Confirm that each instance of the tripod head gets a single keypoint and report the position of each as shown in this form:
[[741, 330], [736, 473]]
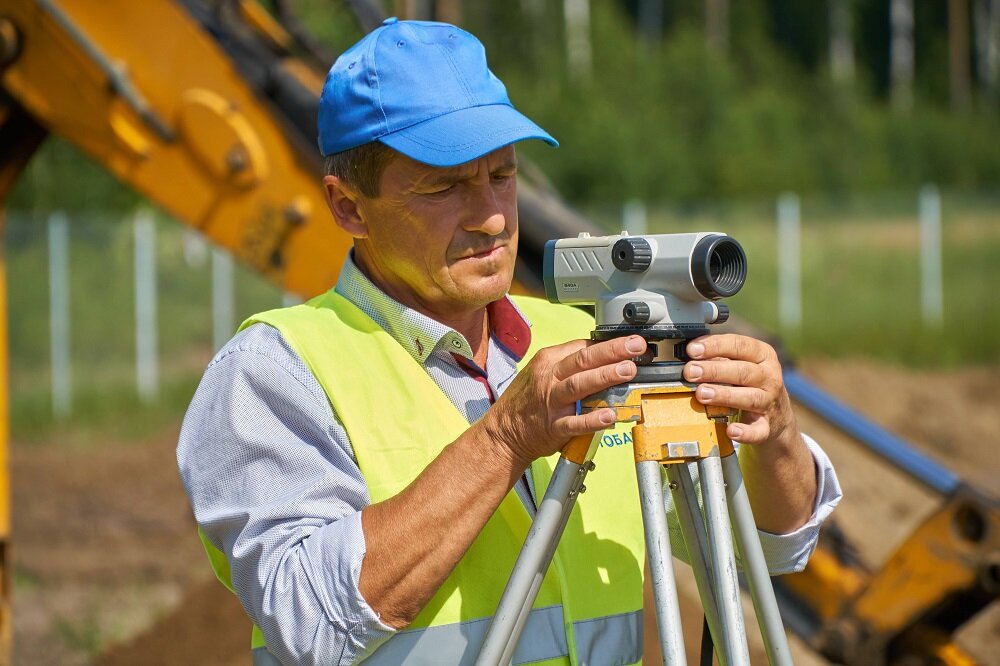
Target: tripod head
[[663, 287]]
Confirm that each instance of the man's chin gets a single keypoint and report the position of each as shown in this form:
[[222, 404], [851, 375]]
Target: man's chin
[[486, 290]]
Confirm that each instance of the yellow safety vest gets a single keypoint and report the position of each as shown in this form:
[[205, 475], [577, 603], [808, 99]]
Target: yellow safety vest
[[589, 608]]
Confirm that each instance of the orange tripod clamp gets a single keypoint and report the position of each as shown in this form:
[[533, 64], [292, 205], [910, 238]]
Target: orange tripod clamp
[[671, 426]]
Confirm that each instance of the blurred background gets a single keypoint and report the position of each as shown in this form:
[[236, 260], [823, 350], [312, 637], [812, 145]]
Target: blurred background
[[852, 146]]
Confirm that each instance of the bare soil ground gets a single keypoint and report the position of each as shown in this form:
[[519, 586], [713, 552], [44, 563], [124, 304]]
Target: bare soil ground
[[108, 568]]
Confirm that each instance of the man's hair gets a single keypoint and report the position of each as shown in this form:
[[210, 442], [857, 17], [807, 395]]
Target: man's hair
[[361, 167]]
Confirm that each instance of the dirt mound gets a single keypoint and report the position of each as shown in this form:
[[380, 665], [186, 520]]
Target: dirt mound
[[105, 551], [954, 417], [209, 627], [108, 568]]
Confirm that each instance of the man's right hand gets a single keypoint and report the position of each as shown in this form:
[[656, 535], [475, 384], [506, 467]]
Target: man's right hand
[[415, 538], [536, 416]]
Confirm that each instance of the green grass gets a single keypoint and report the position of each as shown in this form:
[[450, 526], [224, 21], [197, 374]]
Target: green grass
[[101, 413], [81, 634]]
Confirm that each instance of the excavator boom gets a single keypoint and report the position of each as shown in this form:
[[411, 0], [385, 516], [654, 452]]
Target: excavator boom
[[146, 91]]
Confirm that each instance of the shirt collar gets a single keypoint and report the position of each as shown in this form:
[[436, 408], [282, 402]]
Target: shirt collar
[[420, 335]]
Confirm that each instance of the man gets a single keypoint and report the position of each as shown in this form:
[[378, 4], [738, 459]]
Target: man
[[350, 461]]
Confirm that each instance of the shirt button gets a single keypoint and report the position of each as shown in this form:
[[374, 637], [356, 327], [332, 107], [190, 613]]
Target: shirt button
[[456, 343]]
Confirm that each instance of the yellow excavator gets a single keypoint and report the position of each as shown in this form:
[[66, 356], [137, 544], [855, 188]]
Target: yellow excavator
[[207, 108]]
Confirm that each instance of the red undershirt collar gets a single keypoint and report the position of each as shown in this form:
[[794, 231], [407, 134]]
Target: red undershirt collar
[[508, 327]]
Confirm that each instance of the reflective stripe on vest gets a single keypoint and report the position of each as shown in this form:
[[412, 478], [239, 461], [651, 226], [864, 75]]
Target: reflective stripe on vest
[[259, 656], [595, 583], [607, 640]]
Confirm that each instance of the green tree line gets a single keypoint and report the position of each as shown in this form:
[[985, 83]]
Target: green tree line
[[668, 118]]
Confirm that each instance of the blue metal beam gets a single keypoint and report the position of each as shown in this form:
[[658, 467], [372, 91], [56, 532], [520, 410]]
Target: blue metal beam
[[880, 441]]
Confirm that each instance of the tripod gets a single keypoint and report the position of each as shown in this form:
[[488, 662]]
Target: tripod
[[671, 429]]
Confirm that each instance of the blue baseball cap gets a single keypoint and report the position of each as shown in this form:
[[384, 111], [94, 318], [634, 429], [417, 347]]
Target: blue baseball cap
[[423, 89]]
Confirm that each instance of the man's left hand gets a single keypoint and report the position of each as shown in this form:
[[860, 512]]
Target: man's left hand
[[743, 373]]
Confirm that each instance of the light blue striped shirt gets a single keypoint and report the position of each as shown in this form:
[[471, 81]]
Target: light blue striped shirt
[[274, 483]]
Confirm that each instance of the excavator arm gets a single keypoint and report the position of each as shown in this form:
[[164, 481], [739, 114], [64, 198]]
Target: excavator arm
[[152, 95]]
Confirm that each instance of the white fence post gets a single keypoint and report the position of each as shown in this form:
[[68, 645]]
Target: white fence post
[[222, 298], [195, 248], [634, 219], [62, 381], [147, 372], [789, 262], [931, 290], [576, 14], [649, 16]]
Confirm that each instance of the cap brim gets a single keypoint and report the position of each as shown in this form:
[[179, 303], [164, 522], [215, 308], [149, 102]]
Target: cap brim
[[464, 135]]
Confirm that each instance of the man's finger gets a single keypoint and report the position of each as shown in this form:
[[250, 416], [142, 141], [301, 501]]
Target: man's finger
[[582, 424], [586, 383], [749, 433], [566, 349], [738, 397], [737, 373], [599, 354], [729, 345]]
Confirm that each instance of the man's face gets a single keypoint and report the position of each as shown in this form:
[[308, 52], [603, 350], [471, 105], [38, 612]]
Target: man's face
[[443, 240]]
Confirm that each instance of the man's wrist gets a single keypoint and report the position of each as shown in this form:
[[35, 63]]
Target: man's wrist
[[492, 439], [788, 440], [788, 445]]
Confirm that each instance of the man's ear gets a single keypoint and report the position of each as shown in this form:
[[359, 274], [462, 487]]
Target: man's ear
[[342, 200]]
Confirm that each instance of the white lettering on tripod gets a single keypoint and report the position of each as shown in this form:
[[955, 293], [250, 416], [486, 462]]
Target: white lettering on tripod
[[615, 439]]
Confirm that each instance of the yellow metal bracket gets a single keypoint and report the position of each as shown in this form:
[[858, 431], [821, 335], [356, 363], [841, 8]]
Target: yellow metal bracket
[[671, 425]]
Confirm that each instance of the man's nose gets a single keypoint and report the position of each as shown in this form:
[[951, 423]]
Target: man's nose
[[486, 213]]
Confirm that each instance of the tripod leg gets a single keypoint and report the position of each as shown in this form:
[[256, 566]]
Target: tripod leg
[[532, 563], [654, 520], [733, 641], [536, 583], [696, 539], [754, 565]]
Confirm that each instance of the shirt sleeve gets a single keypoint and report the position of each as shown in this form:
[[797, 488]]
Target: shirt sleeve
[[271, 476], [784, 553], [789, 553]]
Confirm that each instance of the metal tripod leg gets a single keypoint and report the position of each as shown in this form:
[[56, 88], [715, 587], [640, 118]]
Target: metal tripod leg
[[748, 544], [733, 639], [654, 520], [696, 539], [545, 561], [754, 565], [668, 431], [532, 563]]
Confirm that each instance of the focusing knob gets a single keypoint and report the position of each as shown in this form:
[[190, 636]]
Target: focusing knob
[[636, 313], [632, 255], [723, 314]]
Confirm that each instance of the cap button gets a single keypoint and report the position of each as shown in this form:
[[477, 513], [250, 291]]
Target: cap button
[[390, 20]]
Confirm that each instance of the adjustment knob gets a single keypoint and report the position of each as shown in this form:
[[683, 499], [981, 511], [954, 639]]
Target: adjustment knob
[[723, 316], [632, 255], [636, 313]]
